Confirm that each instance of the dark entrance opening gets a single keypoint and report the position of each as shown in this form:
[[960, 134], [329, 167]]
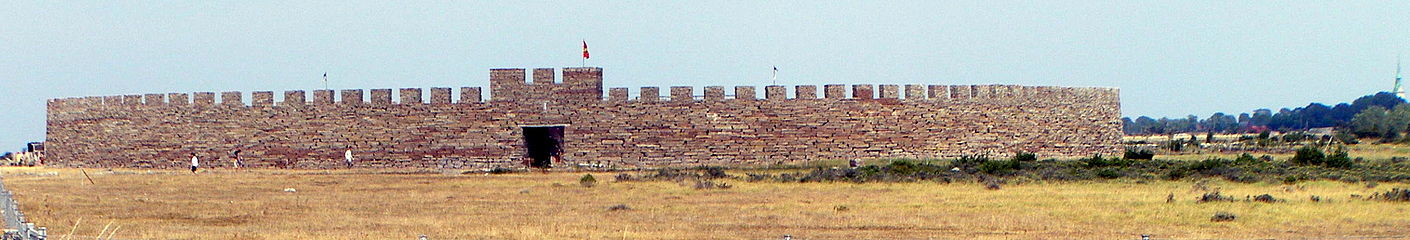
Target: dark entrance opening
[[544, 144]]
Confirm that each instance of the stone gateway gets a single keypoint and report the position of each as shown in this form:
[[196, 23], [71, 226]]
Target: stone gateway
[[546, 122]]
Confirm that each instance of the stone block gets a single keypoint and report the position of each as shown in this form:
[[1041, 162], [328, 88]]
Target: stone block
[[835, 91], [745, 93], [805, 92], [775, 92], [862, 91]]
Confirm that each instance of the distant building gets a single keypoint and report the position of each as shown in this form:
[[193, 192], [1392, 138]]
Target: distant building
[[34, 147], [32, 155], [1324, 131]]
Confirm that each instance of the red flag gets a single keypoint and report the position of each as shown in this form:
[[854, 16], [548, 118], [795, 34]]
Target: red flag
[[585, 52]]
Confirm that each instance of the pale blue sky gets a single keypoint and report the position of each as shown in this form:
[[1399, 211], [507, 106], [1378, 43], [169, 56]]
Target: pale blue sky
[[1170, 58]]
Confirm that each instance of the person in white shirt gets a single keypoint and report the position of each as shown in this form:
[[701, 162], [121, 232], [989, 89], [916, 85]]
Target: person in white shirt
[[347, 157], [235, 159], [195, 163]]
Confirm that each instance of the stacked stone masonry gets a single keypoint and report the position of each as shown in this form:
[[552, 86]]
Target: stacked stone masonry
[[931, 121]]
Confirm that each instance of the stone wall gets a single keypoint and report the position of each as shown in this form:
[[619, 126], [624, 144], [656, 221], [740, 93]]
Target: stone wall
[[642, 131]]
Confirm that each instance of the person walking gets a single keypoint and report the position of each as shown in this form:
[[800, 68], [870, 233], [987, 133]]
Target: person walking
[[236, 159], [195, 163], [347, 158]]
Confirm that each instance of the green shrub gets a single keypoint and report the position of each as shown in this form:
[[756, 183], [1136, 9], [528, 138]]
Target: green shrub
[[999, 167], [706, 185], [1209, 164], [1247, 159], [1294, 137], [1108, 173], [625, 177], [1176, 174], [1223, 217], [1214, 197], [1308, 155], [1266, 198], [1394, 195], [713, 172], [1097, 161], [1138, 154], [587, 181], [501, 170], [1025, 157], [1311, 156], [970, 160], [1347, 138], [1338, 159], [902, 167], [1241, 176]]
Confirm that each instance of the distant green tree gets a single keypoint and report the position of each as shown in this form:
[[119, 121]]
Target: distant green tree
[[1372, 122]]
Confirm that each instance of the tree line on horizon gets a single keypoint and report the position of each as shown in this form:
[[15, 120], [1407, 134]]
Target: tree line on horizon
[[1378, 115]]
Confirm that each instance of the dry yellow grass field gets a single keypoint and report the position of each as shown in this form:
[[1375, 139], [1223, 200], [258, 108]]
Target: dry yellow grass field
[[224, 204]]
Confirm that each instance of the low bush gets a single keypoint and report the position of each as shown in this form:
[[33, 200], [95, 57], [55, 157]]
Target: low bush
[[1308, 155], [1346, 138], [1222, 216], [1209, 164], [968, 161], [1138, 154], [587, 181], [1338, 159], [992, 185], [1002, 167], [706, 185], [680, 175], [1394, 195], [501, 170], [1025, 157], [1265, 198], [1247, 159], [713, 172], [1108, 173], [1097, 161], [1311, 156], [1214, 197]]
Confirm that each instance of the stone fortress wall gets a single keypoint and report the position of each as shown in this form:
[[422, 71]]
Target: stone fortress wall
[[678, 128]]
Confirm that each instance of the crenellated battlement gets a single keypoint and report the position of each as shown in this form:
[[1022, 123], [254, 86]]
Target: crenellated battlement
[[994, 94], [577, 85], [584, 86], [652, 126]]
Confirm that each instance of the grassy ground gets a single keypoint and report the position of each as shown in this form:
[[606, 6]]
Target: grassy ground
[[361, 205]]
